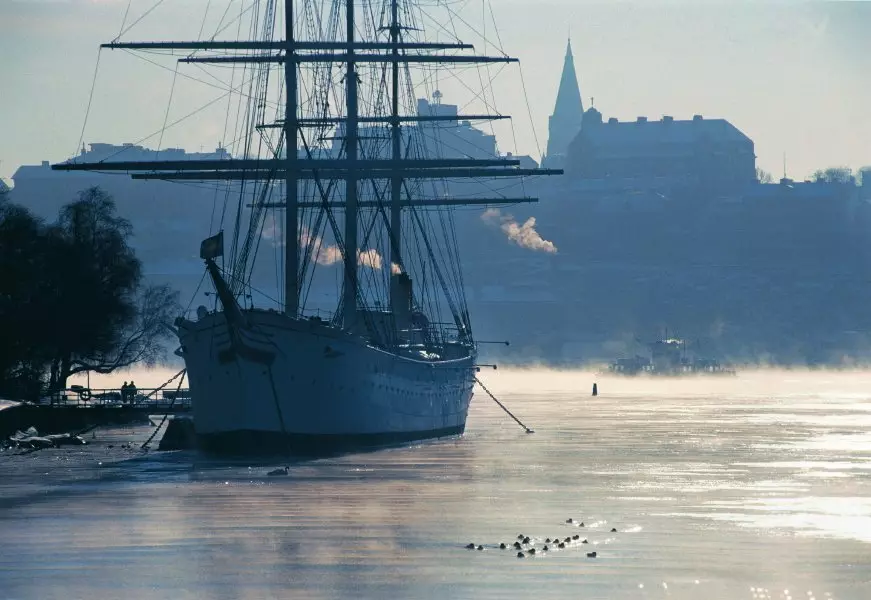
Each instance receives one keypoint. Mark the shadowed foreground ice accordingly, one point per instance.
(750, 487)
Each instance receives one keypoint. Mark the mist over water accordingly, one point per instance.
(753, 486)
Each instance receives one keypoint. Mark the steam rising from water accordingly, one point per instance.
(524, 235)
(750, 382)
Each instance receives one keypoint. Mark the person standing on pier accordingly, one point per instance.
(131, 391)
(125, 393)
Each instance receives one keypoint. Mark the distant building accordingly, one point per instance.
(568, 112)
(448, 137)
(452, 138)
(711, 153)
(865, 183)
(126, 152)
(99, 152)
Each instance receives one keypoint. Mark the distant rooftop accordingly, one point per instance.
(710, 152)
(100, 152)
(666, 130)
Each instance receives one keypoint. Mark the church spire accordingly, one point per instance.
(565, 122)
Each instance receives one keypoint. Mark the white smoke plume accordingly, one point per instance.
(272, 232)
(328, 255)
(524, 235)
(323, 254)
(331, 254)
(369, 258)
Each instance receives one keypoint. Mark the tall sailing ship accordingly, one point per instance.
(395, 361)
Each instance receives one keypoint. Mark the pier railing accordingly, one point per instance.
(156, 399)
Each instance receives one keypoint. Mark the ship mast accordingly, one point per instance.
(352, 169)
(291, 215)
(349, 301)
(395, 232)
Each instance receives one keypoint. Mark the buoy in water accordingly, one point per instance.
(595, 390)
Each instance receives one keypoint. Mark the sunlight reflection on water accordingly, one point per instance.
(726, 488)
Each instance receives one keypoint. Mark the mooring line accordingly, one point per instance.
(502, 406)
(278, 410)
(183, 372)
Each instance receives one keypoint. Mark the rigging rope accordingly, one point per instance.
(134, 23)
(183, 372)
(168, 106)
(90, 100)
(124, 20)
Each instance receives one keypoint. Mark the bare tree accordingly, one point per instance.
(103, 319)
(72, 299)
(143, 341)
(763, 176)
(835, 175)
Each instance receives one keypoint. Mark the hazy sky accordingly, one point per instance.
(795, 77)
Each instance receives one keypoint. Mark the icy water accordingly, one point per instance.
(752, 487)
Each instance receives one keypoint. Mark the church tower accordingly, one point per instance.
(565, 122)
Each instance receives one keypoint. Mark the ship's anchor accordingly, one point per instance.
(502, 406)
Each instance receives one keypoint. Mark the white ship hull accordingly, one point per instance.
(300, 385)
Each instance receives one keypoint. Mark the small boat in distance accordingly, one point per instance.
(668, 356)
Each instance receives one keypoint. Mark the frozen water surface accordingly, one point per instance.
(755, 486)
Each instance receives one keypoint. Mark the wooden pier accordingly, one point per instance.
(78, 408)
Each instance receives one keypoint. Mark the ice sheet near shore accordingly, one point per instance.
(25, 474)
(749, 487)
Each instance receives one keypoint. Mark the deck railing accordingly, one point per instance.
(152, 398)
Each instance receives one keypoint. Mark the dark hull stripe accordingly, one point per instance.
(250, 442)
